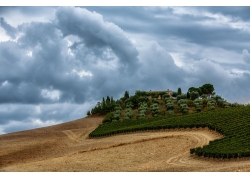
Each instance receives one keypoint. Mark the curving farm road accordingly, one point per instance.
(66, 148)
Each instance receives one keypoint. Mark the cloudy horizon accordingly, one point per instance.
(58, 62)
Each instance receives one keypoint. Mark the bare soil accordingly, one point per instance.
(67, 148)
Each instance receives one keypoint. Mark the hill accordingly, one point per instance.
(67, 148)
(183, 111)
(160, 103)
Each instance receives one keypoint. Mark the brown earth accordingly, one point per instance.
(67, 148)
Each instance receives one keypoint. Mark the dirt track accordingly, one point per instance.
(66, 148)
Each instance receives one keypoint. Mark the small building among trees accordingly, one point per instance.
(159, 94)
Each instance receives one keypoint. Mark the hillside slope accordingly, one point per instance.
(66, 147)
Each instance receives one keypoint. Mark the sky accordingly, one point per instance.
(57, 62)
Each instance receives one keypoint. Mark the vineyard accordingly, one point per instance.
(232, 122)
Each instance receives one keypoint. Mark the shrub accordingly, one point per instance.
(108, 118)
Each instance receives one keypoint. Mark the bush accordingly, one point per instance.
(190, 103)
(108, 118)
(166, 96)
(155, 109)
(194, 95)
(182, 96)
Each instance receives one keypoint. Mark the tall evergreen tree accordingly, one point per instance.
(126, 95)
(179, 91)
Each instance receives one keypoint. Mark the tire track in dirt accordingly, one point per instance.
(72, 136)
(180, 158)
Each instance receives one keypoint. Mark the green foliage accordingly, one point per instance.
(175, 94)
(155, 101)
(169, 104)
(211, 103)
(107, 105)
(108, 118)
(194, 89)
(129, 105)
(181, 96)
(179, 91)
(155, 109)
(142, 110)
(204, 89)
(182, 103)
(204, 96)
(128, 114)
(117, 113)
(166, 96)
(162, 112)
(190, 103)
(204, 102)
(198, 104)
(194, 95)
(140, 93)
(170, 112)
(207, 89)
(126, 95)
(222, 103)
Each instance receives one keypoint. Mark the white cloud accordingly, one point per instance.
(5, 83)
(3, 36)
(82, 73)
(51, 94)
(29, 53)
(2, 131)
(38, 123)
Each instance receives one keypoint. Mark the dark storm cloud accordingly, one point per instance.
(162, 22)
(12, 112)
(11, 31)
(94, 31)
(208, 36)
(158, 69)
(39, 68)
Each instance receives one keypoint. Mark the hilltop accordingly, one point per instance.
(162, 103)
